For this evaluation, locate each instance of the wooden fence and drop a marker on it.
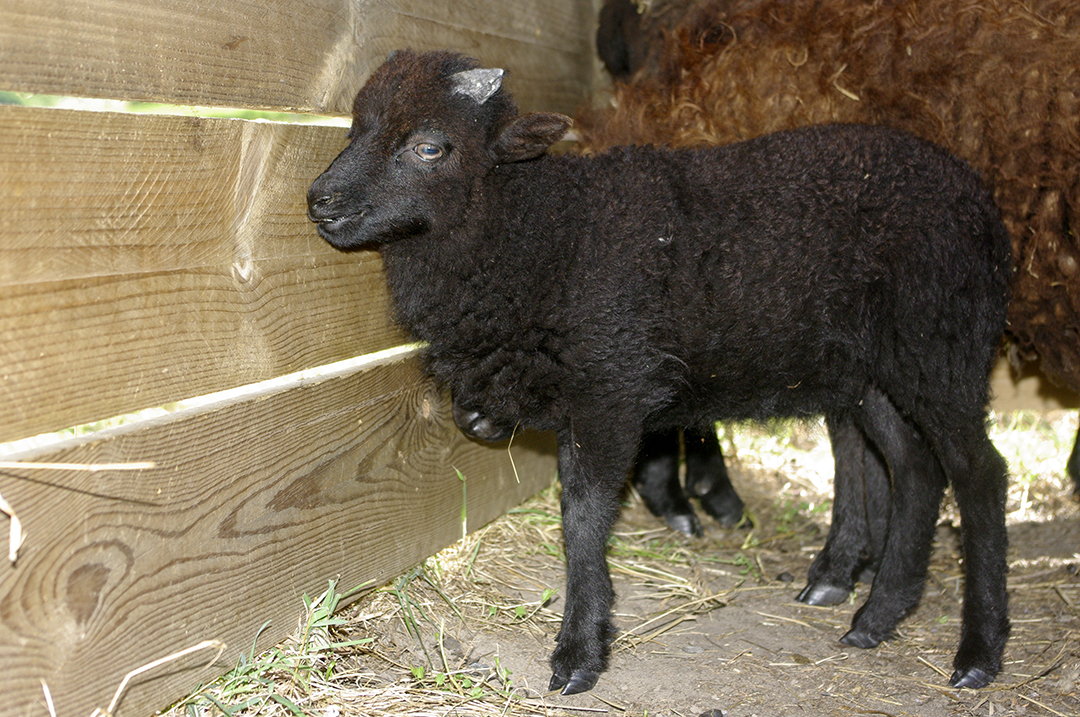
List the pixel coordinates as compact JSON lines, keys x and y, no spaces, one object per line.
{"x":147,"y":259}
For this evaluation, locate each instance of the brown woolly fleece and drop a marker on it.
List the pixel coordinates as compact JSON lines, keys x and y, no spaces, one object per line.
{"x":995,"y":81}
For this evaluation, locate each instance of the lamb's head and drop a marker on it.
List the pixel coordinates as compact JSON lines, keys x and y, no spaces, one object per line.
{"x":427,"y":128}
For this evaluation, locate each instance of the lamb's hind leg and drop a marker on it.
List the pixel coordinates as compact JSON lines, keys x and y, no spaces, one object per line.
{"x":707,"y":477}
{"x":918,"y":484}
{"x":656,"y":478}
{"x":862,"y":499}
{"x":979,"y":477}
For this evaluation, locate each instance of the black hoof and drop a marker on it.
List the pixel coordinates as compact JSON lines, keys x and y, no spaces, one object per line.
{"x":866,"y":576}
{"x":685,"y":524}
{"x":475,"y":424}
{"x":821,"y":595}
{"x":859,"y":639}
{"x":972,"y":678}
{"x":725,"y":508}
{"x":580,"y":681}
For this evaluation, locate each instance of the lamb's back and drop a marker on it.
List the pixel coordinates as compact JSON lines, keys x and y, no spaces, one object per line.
{"x":792,"y":252}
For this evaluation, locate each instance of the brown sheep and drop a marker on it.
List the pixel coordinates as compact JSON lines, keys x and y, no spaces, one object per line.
{"x":997,"y":82}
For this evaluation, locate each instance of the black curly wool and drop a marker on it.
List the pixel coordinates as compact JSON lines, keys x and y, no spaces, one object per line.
{"x":844,"y":270}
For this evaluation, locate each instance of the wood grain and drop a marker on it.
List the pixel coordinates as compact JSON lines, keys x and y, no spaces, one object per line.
{"x":1027,"y":390}
{"x":250,"y":505}
{"x":148,"y":259}
{"x":302,"y":55}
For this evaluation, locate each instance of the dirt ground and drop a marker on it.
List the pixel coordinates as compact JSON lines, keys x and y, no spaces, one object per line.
{"x":711,"y":626}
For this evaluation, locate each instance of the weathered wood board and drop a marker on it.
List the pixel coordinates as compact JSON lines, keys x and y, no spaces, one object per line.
{"x":1027,"y":391}
{"x":148,"y":259}
{"x":304,"y":55}
{"x":250,"y":505}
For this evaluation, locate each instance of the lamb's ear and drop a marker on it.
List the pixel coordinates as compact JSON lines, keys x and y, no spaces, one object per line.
{"x":529,"y":136}
{"x":479,"y":84}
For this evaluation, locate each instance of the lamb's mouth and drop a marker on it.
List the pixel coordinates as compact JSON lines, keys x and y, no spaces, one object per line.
{"x":330,"y":226}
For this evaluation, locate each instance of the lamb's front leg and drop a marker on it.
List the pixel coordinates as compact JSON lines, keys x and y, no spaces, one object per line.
{"x":592,"y":470}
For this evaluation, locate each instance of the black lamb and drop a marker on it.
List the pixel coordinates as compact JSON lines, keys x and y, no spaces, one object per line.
{"x":850,"y":271}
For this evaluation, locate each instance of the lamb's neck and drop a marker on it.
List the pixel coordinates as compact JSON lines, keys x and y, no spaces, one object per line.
{"x":493,"y":271}
{"x":435,"y":281}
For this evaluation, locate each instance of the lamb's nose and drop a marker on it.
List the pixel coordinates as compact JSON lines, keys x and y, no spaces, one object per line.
{"x":321,"y":205}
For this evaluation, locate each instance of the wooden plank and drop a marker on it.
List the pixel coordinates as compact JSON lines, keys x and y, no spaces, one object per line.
{"x":96,"y":194}
{"x":250,"y":505}
{"x":148,"y":259}
{"x":305,"y":55}
{"x":1027,"y":390}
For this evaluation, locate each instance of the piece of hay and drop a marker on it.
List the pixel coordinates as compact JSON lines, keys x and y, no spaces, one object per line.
{"x":204,"y":645}
{"x":15,"y":534}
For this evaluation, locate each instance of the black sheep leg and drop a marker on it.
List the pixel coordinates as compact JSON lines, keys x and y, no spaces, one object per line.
{"x":978,"y":475}
{"x":707,"y":476}
{"x":862,"y":502}
{"x":962,"y":453}
{"x":592,"y":469}
{"x":656,"y":478}
{"x":1072,"y":468}
{"x":918,"y":485}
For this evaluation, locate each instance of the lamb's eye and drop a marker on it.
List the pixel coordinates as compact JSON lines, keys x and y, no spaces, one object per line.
{"x":428,"y":152}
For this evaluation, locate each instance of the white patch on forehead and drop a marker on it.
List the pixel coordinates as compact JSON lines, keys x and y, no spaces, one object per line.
{"x":479,"y":84}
